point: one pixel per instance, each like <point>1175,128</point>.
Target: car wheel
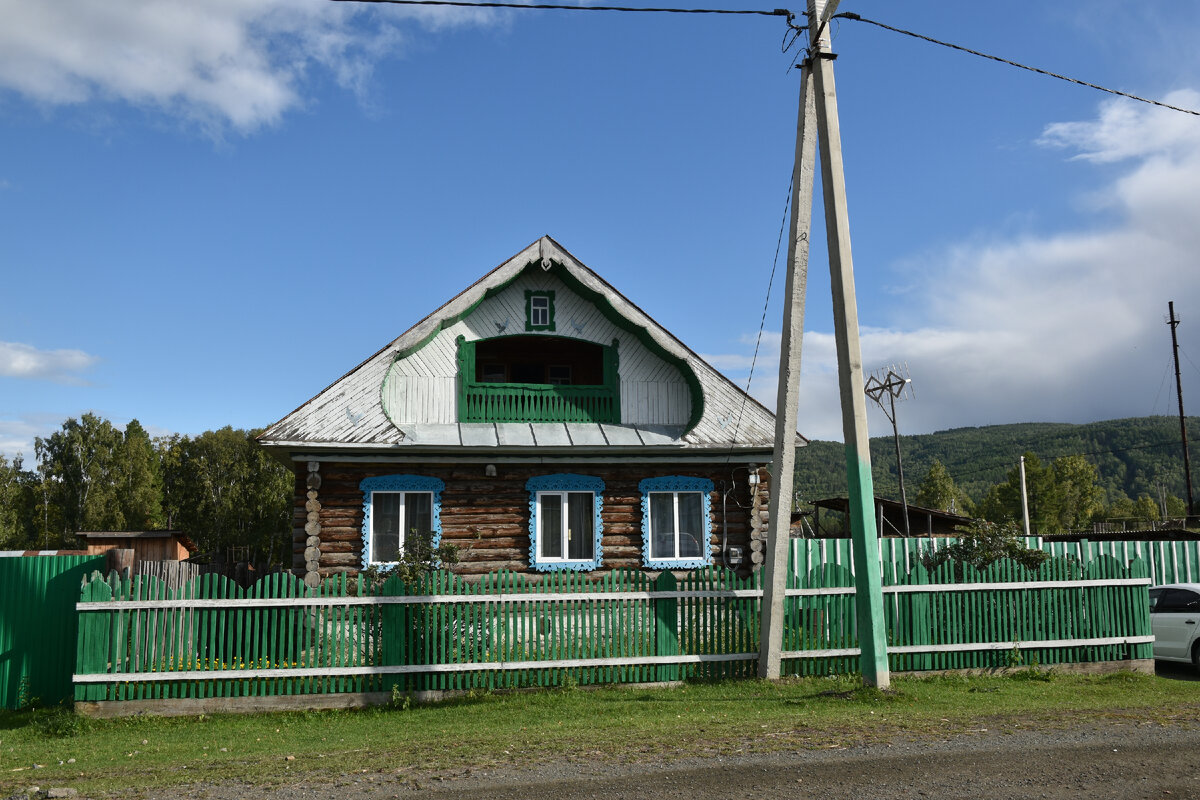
<point>1196,655</point>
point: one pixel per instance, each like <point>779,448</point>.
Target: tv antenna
<point>893,383</point>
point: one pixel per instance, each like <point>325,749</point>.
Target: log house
<point>540,421</point>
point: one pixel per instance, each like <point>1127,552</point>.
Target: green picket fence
<point>140,640</point>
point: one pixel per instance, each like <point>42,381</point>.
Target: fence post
<point>666,626</point>
<point>94,638</point>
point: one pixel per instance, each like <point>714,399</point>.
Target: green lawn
<point>585,725</point>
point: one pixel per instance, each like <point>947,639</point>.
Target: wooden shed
<point>541,422</point>
<point>146,545</point>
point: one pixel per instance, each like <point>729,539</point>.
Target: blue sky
<point>208,212</point>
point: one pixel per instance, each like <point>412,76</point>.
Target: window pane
<point>662,525</point>
<point>691,525</point>
<point>581,518</point>
<point>418,512</point>
<point>385,526</point>
<point>550,526</point>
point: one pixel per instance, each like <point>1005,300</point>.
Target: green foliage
<point>18,504</point>
<point>220,487</point>
<point>982,543</point>
<point>939,491</point>
<point>1131,456</point>
<point>79,465</point>
<point>418,560</point>
<point>225,491</point>
<point>57,723</point>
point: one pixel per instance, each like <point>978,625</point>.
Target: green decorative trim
<point>641,334</point>
<point>530,294</point>
<point>536,402</point>
<point>606,308</point>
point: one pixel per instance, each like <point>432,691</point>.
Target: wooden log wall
<point>488,517</point>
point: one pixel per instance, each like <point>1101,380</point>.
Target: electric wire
<point>763,321</point>
<point>858,18</point>
<point>1162,385</point>
<point>778,12</point>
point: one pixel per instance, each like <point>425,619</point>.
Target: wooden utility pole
<point>775,565</point>
<point>868,593</point>
<point>1187,463</point>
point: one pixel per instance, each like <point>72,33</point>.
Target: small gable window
<point>676,522</point>
<point>564,522</point>
<point>539,310</point>
<point>399,510</point>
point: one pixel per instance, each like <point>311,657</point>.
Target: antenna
<point>893,383</point>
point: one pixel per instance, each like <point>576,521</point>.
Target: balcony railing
<point>532,402</point>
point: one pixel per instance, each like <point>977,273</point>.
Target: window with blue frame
<point>676,522</point>
<point>564,522</point>
<point>398,510</point>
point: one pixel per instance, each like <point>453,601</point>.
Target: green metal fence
<point>140,640</point>
<point>37,626</point>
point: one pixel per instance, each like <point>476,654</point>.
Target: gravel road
<point>1095,761</point>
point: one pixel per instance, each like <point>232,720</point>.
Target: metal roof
<point>349,414</point>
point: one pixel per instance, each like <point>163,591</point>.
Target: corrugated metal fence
<point>38,626</point>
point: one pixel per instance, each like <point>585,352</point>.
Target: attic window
<point>539,310</point>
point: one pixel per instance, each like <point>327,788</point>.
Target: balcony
<point>534,402</point>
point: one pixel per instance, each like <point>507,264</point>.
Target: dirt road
<point>1096,762</point>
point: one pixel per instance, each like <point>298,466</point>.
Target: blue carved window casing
<point>396,507</point>
<point>565,526</point>
<point>676,522</point>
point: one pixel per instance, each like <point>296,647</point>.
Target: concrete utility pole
<point>869,597</point>
<point>775,565</point>
<point>1024,499</point>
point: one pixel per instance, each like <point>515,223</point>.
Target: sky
<point>211,211</point>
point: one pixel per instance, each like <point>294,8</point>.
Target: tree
<point>939,491</point>
<point>225,491</point>
<point>981,543</point>
<point>78,472</point>
<point>1079,492</point>
<point>139,480</point>
<point>1003,501</point>
<point>17,505</point>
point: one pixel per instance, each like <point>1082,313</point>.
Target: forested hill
<point>1132,456</point>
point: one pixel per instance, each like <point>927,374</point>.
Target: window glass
<point>691,527</point>
<point>675,521</point>
<point>1155,594</point>
<point>418,515</point>
<point>1177,601</point>
<point>385,527</point>
<point>399,509</point>
<point>539,311</point>
<point>564,522</point>
<point>550,519</point>
<point>662,525</point>
<point>581,534</point>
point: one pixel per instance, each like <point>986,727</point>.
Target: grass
<point>488,731</point>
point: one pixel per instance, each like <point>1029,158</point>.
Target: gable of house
<point>540,352</point>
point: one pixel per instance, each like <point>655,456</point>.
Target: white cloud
<point>1061,327</point>
<point>237,63</point>
<point>25,361</point>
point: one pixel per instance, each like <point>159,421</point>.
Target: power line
<point>857,18</point>
<point>778,12</point>
<point>762,322</point>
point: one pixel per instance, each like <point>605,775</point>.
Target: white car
<point>1175,622</point>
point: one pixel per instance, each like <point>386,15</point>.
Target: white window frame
<point>539,311</point>
<point>403,485</point>
<point>563,485</point>
<point>676,485</point>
